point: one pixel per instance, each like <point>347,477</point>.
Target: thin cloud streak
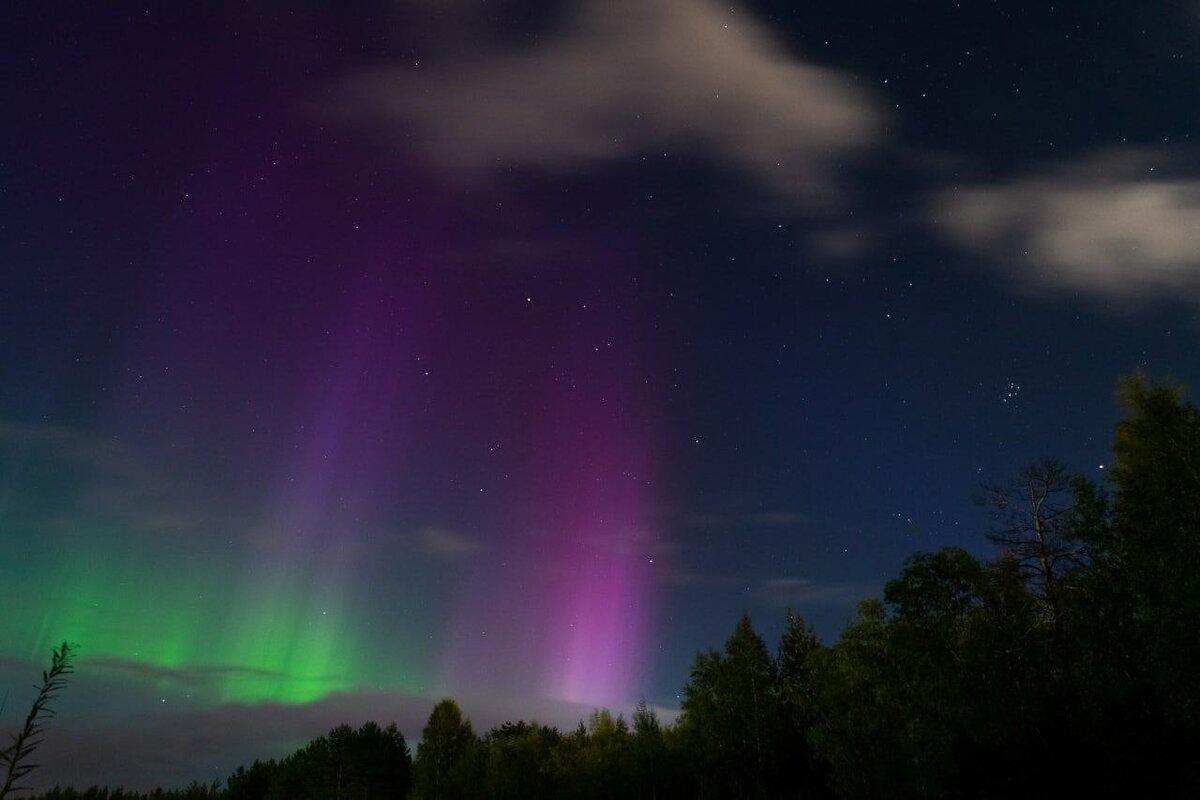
<point>795,591</point>
<point>449,544</point>
<point>757,519</point>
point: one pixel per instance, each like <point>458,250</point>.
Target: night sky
<point>354,357</point>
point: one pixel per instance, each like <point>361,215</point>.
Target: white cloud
<point>1119,224</point>
<point>630,77</point>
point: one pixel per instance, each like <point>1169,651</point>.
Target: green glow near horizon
<point>280,640</point>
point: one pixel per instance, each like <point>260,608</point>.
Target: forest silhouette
<point>1067,665</point>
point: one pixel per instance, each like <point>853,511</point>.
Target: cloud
<point>68,481</point>
<point>71,446</point>
<point>791,591</point>
<point>449,544</point>
<point>743,520</point>
<point>1118,224</point>
<point>845,243</point>
<point>189,676</point>
<point>683,578</point>
<point>629,77</point>
<point>155,746</point>
<point>779,519</point>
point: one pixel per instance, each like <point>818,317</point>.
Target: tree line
<point>1069,664</point>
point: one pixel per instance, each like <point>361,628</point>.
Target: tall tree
<point>860,713</point>
<point>799,650</point>
<point>731,715</point>
<point>1036,517</point>
<point>443,767</point>
<point>650,759</point>
<point>1157,513</point>
<point>1139,635</point>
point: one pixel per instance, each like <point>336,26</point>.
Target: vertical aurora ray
<point>600,607</point>
<point>295,594</point>
<point>301,619</point>
<point>266,601</point>
<point>566,607</point>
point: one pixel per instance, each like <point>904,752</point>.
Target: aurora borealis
<point>361,354</point>
<point>307,622</point>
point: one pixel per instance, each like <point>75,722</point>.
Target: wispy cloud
<point>796,591</point>
<point>105,454</point>
<point>449,544</point>
<point>1118,224</point>
<point>99,479</point>
<point>683,578</point>
<point>778,519</point>
<point>190,676</point>
<point>749,519</point>
<point>630,77</point>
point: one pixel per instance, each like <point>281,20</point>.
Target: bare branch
<point>15,757</point>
